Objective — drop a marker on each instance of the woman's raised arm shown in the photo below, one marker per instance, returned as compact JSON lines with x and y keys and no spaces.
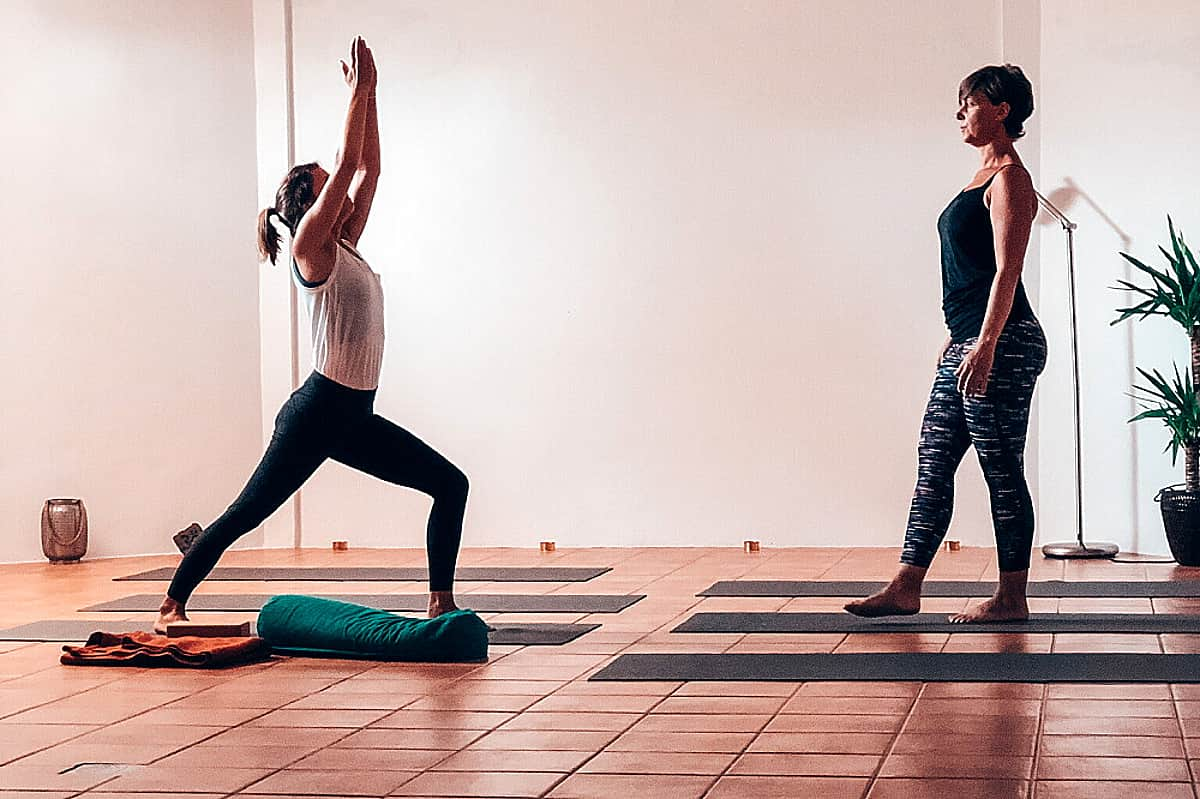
{"x":316,"y":237}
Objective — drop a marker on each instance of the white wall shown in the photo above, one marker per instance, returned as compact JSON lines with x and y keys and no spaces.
{"x":649,"y":268}
{"x":1119,"y":99}
{"x":657,"y":273}
{"x":130,"y":325}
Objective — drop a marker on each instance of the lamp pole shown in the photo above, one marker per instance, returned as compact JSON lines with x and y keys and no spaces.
{"x":1077,"y":548}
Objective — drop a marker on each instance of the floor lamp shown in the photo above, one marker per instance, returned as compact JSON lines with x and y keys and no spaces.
{"x":1076,"y":548}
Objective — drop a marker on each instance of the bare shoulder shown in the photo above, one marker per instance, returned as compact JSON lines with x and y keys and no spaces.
{"x":316,"y":263}
{"x":1013,"y":175}
{"x":1014,"y":184}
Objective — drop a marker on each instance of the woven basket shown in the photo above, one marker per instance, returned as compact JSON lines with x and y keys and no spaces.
{"x":1181,"y":518}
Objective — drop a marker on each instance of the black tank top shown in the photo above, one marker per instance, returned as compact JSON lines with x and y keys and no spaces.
{"x":969,"y":265}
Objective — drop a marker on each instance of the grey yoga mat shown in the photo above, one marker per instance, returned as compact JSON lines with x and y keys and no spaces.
{"x":953,"y":588}
{"x":537,"y":634}
{"x":409,"y":603}
{"x":906,"y":666}
{"x":75,"y":630}
{"x":937,"y":623}
{"x":496,"y":574}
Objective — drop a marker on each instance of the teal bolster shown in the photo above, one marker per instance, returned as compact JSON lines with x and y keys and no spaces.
{"x":307,"y":625}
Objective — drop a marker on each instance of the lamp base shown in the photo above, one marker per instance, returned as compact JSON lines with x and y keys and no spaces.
{"x":1075,"y":550}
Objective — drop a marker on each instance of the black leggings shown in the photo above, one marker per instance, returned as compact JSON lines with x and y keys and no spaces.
{"x":323,"y":419}
{"x":996,"y":424}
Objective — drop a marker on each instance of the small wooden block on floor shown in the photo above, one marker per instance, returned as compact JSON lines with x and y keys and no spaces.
{"x":208,"y":629}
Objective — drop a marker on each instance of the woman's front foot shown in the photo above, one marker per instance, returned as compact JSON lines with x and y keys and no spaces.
{"x":441,"y":602}
{"x":902,"y":597}
{"x":1000,"y":608}
{"x":891,"y":601}
{"x":169,"y":612}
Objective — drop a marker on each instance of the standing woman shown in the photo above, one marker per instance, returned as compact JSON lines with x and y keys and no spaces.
{"x":331,"y":415}
{"x":990,"y":362}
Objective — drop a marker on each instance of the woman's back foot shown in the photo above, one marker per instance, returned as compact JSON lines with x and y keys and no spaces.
{"x":168,"y":613}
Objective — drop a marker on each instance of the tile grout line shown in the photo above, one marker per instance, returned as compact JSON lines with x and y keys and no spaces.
{"x":1037,"y":741}
{"x":1187,"y":761}
{"x":1161,"y":645}
{"x":271,"y":772}
{"x":69,"y":739}
{"x":739,"y":755}
{"x":354,"y":731}
{"x":594,"y":755}
{"x":583,"y":675}
{"x":891,"y":747}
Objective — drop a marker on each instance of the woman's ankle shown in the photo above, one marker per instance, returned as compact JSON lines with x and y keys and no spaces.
{"x":910,"y":578}
{"x":1013,"y":586}
{"x":441,"y":602}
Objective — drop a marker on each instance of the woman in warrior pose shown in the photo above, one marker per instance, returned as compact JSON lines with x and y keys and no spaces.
{"x":331,"y":415}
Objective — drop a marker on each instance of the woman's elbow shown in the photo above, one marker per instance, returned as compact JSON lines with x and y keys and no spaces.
{"x":1008,"y":276}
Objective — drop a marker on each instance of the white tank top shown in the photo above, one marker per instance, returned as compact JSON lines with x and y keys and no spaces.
{"x":347,"y":321}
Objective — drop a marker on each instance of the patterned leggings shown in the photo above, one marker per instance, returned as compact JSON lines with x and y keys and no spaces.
{"x":996,"y":423}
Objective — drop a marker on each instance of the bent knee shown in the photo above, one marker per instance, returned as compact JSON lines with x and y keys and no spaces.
{"x":457,"y":485}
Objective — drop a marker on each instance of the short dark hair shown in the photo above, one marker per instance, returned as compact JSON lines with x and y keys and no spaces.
{"x":1002,"y":84}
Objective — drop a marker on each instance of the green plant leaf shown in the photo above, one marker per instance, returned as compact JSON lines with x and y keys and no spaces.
{"x":1157,"y":303}
{"x":1159,"y":277}
{"x":1179,"y":262}
{"x":1174,"y":292}
{"x":1157,"y":381}
{"x":1191,"y":259}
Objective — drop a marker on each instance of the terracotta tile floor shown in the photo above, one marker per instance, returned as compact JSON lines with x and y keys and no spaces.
{"x":528,"y":724}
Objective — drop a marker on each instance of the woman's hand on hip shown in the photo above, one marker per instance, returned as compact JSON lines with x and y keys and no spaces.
{"x":975,"y":370}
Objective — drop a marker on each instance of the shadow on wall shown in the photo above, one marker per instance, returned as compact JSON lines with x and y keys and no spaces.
{"x":1067,"y":196}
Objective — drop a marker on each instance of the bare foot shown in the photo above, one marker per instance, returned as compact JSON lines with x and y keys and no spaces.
{"x":441,"y":602}
{"x":168,"y":613}
{"x":891,"y":601}
{"x":996,"y":609}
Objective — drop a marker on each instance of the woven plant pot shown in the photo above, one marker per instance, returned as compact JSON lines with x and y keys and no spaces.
{"x":1181,"y":518}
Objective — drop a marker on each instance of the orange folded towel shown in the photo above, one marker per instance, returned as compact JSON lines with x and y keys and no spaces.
{"x":148,"y":649}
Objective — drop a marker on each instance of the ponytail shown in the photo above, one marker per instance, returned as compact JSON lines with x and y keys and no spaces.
{"x":292,"y":201}
{"x":268,"y":236}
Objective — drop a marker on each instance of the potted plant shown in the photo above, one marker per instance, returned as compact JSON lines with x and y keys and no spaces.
{"x":1174,"y":292}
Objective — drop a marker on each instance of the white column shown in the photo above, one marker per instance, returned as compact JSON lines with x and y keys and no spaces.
{"x":277,"y":296}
